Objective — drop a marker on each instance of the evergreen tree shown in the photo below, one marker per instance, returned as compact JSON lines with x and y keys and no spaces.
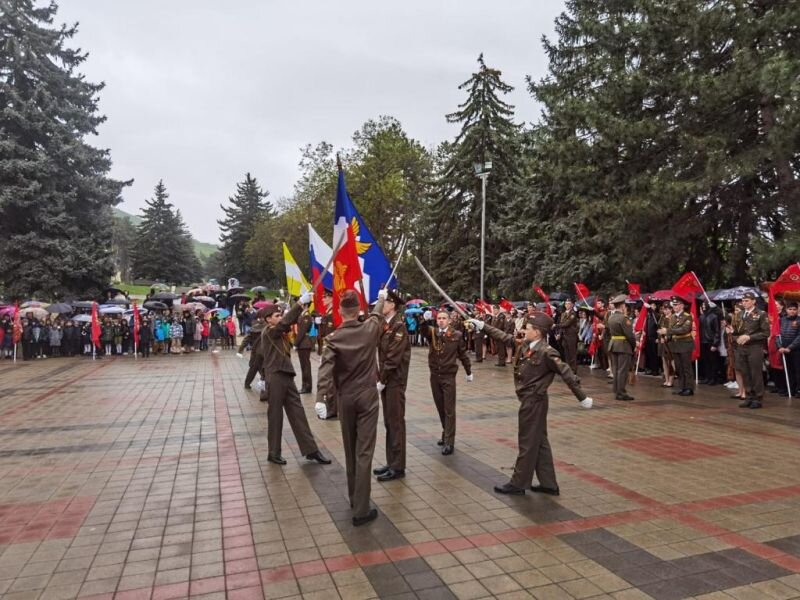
{"x":55,"y":193}
{"x":248,"y":207}
{"x":163,"y":249}
{"x":123,"y":239}
{"x":488,"y":134}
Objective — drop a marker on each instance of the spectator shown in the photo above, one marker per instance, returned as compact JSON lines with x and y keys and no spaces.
{"x":789,"y":347}
{"x":55,"y":336}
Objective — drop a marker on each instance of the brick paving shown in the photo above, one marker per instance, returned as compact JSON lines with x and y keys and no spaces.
{"x":148,"y":480}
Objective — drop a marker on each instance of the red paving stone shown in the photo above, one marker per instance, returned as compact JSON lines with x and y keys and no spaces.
{"x":270,"y":528}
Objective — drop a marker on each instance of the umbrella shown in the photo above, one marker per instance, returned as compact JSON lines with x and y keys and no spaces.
{"x":414,"y":311}
{"x":189,"y":306}
{"x":222,"y":313}
{"x":733,"y":293}
{"x":155,"y":305}
{"x":159,"y":286}
{"x":59,"y":308}
{"x":210,"y":302}
{"x":262,"y":304}
{"x":82,"y":318}
{"x":164,"y":296}
{"x":82,"y":304}
{"x":661,"y":295}
{"x":110,"y":309}
{"x":560,"y":296}
{"x":239,"y":298}
{"x":416,"y":301}
{"x":129,"y":312}
{"x":37,"y":311}
{"x":114,"y":291}
{"x":198,"y":291}
{"x":259,"y":288}
{"x":119,"y":301}
{"x":235,"y":290}
{"x":6,"y":310}
{"x":33,"y":304}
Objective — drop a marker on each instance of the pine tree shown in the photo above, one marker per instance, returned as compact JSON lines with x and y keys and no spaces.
{"x":163,"y":249}
{"x":248,"y":207}
{"x":55,"y":193}
{"x":488,"y":134}
{"x":122,"y":241}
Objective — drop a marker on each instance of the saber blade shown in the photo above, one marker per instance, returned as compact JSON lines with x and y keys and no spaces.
{"x":439,"y":289}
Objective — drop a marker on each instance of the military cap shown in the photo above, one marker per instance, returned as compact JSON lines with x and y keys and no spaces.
{"x":619,"y":299}
{"x":268,"y":310}
{"x":541,"y":321}
{"x":396,"y":297}
{"x":350,"y":299}
{"x":680,"y":299}
{"x":750,"y":295}
{"x":327,"y":292}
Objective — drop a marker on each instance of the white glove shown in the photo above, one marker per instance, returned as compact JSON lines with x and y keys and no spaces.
{"x":305,"y":298}
{"x":321,"y":410}
{"x":383,"y":294}
{"x":239,"y":355}
{"x":477,"y":324}
{"x":586,"y":403}
{"x":380,"y":386}
{"x":427,"y":315}
{"x":470,"y":377}
{"x":318,"y":320}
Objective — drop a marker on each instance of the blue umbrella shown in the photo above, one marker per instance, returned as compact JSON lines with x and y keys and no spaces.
{"x":414,"y":311}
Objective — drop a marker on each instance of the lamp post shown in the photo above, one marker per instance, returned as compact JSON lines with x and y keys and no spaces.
{"x":482,"y":172}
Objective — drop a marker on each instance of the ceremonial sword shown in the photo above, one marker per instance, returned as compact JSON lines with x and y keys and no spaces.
{"x":440,"y":290}
{"x":403,"y":243}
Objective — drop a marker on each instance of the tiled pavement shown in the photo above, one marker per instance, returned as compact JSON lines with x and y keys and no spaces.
{"x":148,"y":479}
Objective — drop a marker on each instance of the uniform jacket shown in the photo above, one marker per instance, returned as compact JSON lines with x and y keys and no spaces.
{"x":534,"y":369}
{"x":620,"y":332}
{"x":679,"y":332}
{"x":790,"y":333}
{"x":445,"y":349}
{"x":394,"y":352}
{"x":569,"y":324}
{"x":276,"y":349}
{"x":303,"y":341}
{"x":756,"y":325}
{"x":349,"y":365}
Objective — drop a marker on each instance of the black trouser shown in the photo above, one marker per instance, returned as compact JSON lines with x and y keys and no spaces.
{"x":709,"y":363}
{"x":304,"y":355}
{"x":793,"y":368}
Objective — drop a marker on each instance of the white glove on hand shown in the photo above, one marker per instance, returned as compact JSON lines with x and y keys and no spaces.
{"x":427,"y":315}
{"x":383,"y":294}
{"x":586,"y":403}
{"x":239,"y":355}
{"x":321,"y":410}
{"x":306,"y":298}
{"x":477,"y":324}
{"x":380,"y":386}
{"x":470,"y":377}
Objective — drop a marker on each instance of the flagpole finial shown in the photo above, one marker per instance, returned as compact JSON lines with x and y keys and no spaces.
{"x":339,"y":162}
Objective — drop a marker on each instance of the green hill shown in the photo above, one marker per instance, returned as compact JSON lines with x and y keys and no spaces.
{"x":202,"y":249}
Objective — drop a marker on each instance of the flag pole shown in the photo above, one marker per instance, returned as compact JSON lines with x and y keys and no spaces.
{"x":15,"y":349}
{"x":786,"y":372}
{"x":581,"y":295}
{"x":697,"y":279}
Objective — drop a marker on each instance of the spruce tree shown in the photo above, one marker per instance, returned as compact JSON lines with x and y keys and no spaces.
{"x":55,"y":193}
{"x":122,"y":241}
{"x":488,"y":133}
{"x":247,"y":208}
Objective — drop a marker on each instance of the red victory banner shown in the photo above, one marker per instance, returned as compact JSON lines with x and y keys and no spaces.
{"x":690,"y":288}
{"x":634,"y":291}
{"x":547,"y":308}
{"x":346,"y":274}
{"x":789,"y":281}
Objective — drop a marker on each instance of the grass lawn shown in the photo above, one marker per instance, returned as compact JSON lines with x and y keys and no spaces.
{"x":142,"y":290}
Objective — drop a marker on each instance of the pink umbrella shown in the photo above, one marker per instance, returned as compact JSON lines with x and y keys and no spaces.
{"x":661,"y":295}
{"x":262,"y":304}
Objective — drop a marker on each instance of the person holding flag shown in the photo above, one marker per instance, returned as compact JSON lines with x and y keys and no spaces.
{"x":568,"y":327}
{"x":750,"y":333}
{"x":680,"y":342}
{"x":621,"y":345}
{"x":17,"y":330}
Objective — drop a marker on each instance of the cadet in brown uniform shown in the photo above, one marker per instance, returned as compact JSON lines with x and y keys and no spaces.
{"x":349,"y":369}
{"x":304,"y":345}
{"x":394,"y":356}
{"x":681,"y":344}
{"x":500,"y":348}
{"x":256,"y":360}
{"x":568,"y":322}
{"x":749,"y":334}
{"x":281,"y":393}
{"x":446,"y":347}
{"x":620,"y":347}
{"x":535,"y":365}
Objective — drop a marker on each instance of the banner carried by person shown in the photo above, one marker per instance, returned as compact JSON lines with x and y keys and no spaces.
{"x":583,"y":293}
{"x":96,"y":330}
{"x":137,"y":324}
{"x":346,"y":274}
{"x":296,"y":282}
{"x":16,"y":335}
{"x":547,"y":308}
{"x":789,"y":281}
{"x":689,"y":288}
{"x":374,"y":265}
{"x":319,"y":254}
{"x":634,"y":291}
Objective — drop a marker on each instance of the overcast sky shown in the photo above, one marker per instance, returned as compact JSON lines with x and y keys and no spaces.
{"x":200,"y":92}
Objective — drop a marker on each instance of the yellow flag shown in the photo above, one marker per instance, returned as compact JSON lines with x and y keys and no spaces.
{"x":296,"y":282}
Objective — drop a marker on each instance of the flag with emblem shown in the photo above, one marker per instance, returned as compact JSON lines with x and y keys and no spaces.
{"x":374,"y":264}
{"x":346,"y":274}
{"x":690,"y":288}
{"x":634,"y":291}
{"x":583,"y":293}
{"x":506,"y":305}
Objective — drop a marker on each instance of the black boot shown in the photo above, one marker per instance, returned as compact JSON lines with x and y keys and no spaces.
{"x":509,"y":489}
{"x":318,"y":457}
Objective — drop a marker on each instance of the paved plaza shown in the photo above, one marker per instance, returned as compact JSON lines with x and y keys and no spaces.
{"x":139,"y":479}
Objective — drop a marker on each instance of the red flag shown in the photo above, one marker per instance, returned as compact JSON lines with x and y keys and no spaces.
{"x":583,"y":291}
{"x":638,"y":327}
{"x":506,"y":305}
{"x":96,"y":331}
{"x":634,"y":291}
{"x":788,"y":281}
{"x":595,"y":341}
{"x":689,"y":287}
{"x":136,"y":324}
{"x":346,"y":274}
{"x":484,"y":307}
{"x":16,"y":335}
{"x":547,"y":308}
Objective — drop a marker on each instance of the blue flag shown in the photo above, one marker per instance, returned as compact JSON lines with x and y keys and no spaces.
{"x":374,"y":264}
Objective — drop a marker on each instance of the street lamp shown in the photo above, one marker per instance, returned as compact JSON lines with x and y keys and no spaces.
{"x":482,"y":172}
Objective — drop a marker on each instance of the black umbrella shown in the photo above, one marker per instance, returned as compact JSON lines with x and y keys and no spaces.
{"x":235,"y":290}
{"x":239,"y":298}
{"x":82,"y":304}
{"x":159,"y":286}
{"x":113,"y":291}
{"x":259,"y":288}
{"x":59,"y":308}
{"x":560,"y":296}
{"x":164,"y":296}
{"x":155,"y":305}
{"x":208,"y":301}
{"x":119,"y":301}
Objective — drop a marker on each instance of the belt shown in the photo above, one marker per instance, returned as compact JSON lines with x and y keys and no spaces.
{"x":618,"y":337}
{"x":688,"y":336}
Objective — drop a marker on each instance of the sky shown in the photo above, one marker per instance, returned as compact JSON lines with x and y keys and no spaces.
{"x":198,"y":93}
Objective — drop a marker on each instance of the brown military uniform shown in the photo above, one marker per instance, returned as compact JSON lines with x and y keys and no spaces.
{"x":568,"y":324}
{"x":620,"y":346}
{"x":444,"y":350}
{"x":256,"y":360}
{"x":500,"y":347}
{"x":681,"y":343}
{"x":325,"y":329}
{"x":304,"y":345}
{"x":394,"y":355}
{"x":349,"y":369}
{"x":749,"y":357}
{"x":534,"y":370}
{"x":281,"y":393}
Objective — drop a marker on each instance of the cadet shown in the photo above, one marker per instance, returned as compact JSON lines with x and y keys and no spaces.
{"x":749,"y":334}
{"x":348,"y":368}
{"x":620,"y":347}
{"x":446,"y":346}
{"x":255,"y":365}
{"x":281,"y":393}
{"x":568,"y":323}
{"x":394,"y":354}
{"x":535,"y":365}
{"x":680,"y":343}
{"x":304,"y":344}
